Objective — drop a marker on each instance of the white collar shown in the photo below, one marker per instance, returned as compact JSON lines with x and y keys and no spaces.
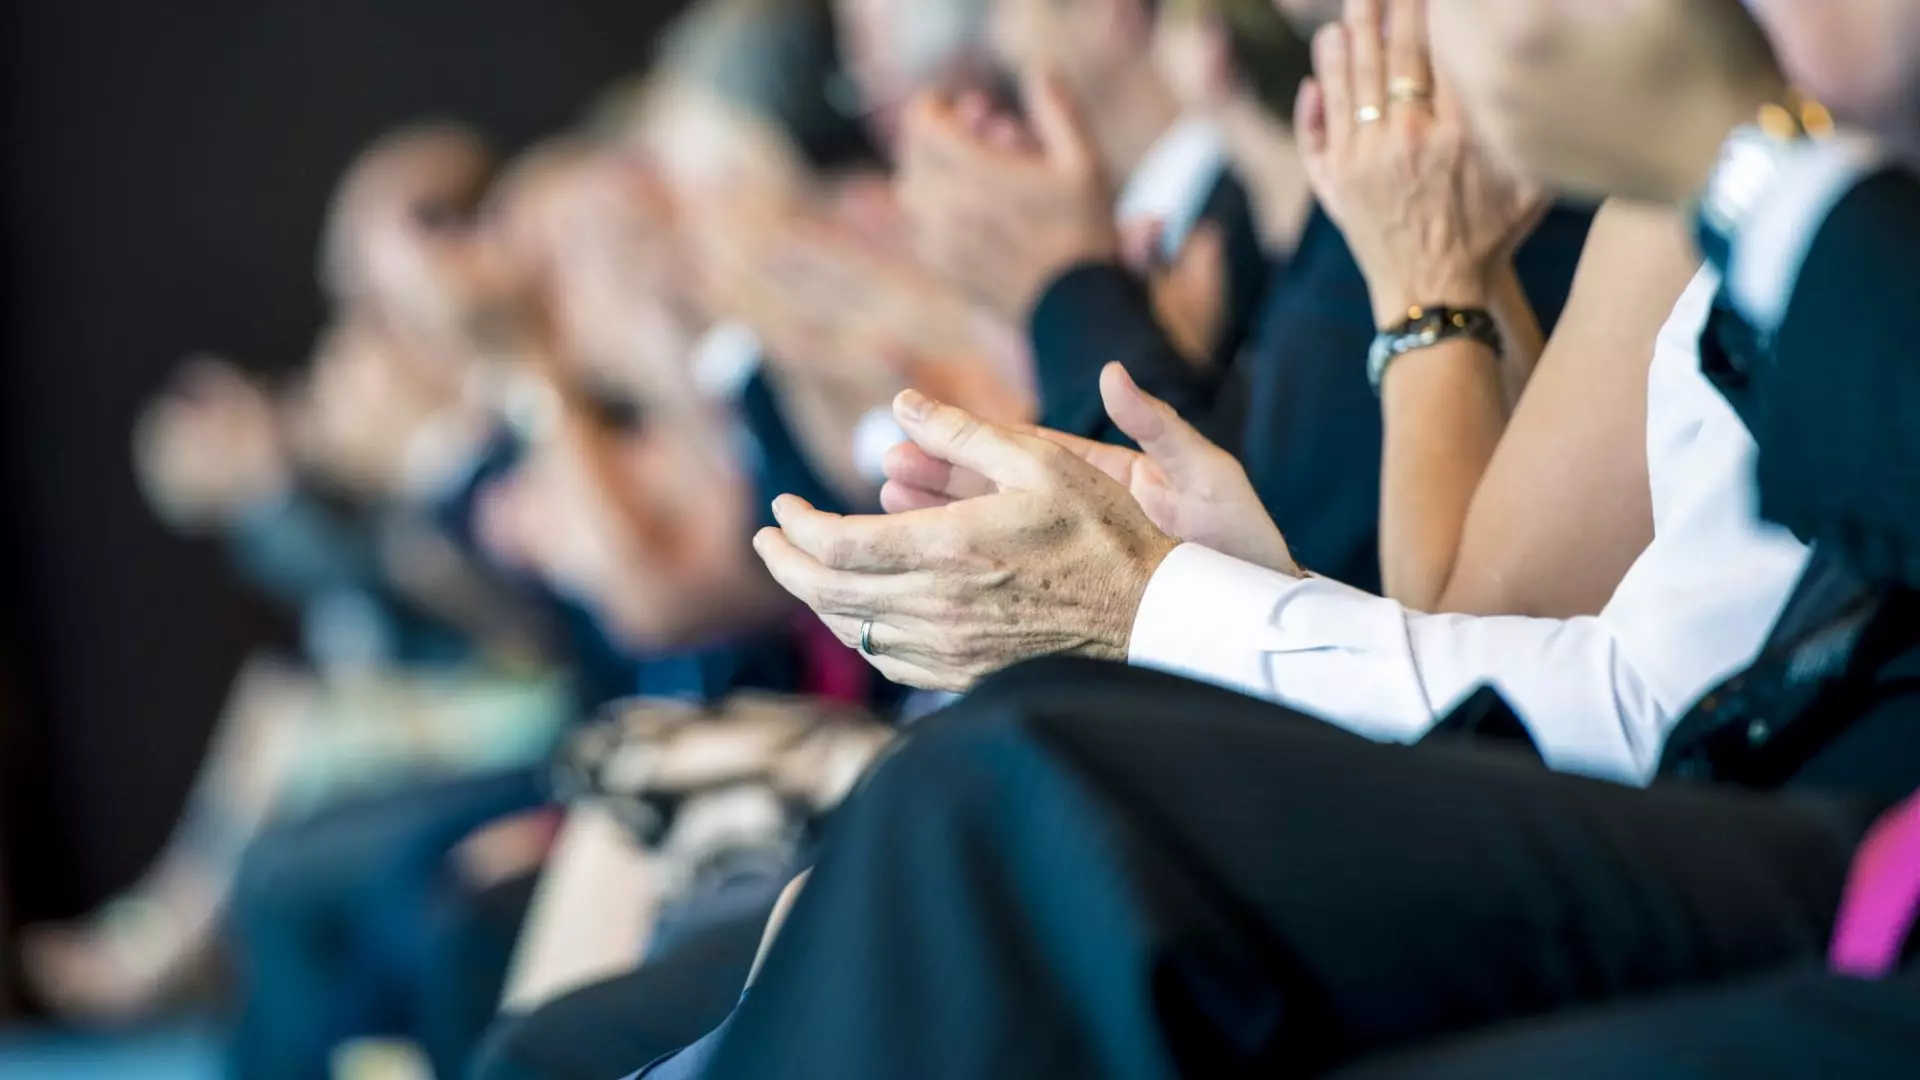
{"x":1172,"y":181}
{"x":724,"y":359}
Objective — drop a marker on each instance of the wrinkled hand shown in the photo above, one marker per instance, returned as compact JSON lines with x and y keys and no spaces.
{"x":1607,"y":97}
{"x":1054,"y":561}
{"x":903,"y":315}
{"x":1431,"y":217}
{"x":210,"y":447}
{"x":1001,"y":214}
{"x":1189,"y":488}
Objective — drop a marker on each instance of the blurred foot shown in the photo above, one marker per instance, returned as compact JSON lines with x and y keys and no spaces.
{"x":126,"y":962}
{"x":138,"y":952}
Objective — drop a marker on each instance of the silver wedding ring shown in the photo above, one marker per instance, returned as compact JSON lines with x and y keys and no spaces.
{"x":866,"y":638}
{"x":1367,"y":114}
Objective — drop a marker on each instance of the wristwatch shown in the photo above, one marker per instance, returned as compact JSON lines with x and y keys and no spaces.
{"x":1425,"y":327}
{"x":1751,"y":161}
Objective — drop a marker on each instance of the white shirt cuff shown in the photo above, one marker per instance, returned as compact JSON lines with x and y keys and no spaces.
{"x":1768,"y":253}
{"x":1334,"y":652}
{"x":875,"y":434}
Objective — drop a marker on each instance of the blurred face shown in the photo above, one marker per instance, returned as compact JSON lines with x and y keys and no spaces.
{"x":364,"y":404}
{"x":728,"y":174}
{"x":1860,"y":57}
{"x":593,"y":232}
{"x":403,"y":249}
{"x":636,"y":524}
{"x":706,"y":148}
{"x":1084,"y":41}
{"x":894,"y":49}
{"x":869,"y":33}
{"x":1193,"y":59}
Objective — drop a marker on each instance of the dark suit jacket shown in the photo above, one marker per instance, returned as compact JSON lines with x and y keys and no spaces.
{"x":1100,"y":312}
{"x":1294,"y":404}
{"x":1834,"y":700}
{"x":1835,"y":401}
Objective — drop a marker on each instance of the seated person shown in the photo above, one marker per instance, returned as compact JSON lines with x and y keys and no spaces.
{"x":1601,"y":383}
{"x":329,"y":505}
{"x":1547,"y":894}
{"x":1287,"y":403}
{"x":1073,"y":552}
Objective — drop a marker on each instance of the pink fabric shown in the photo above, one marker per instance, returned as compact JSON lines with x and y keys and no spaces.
{"x":829,"y":669}
{"x":1883,"y":896}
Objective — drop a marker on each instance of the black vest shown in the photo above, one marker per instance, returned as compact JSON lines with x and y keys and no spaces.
{"x":1832,"y":701}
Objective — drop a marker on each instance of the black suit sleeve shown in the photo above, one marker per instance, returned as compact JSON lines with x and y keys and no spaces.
{"x":1092,"y":316}
{"x":1098,"y":313}
{"x":1838,"y":398}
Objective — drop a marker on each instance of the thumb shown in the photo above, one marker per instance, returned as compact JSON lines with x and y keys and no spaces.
{"x":955,"y":436}
{"x":1057,"y":121}
{"x":1170,"y":442}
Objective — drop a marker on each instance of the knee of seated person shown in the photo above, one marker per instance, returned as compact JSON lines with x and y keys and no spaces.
{"x":962,"y":755}
{"x":1032,"y":708}
{"x":1052,"y":693}
{"x":1033,"y":685}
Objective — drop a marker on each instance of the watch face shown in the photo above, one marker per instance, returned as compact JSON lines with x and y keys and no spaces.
{"x":1428,"y":327}
{"x":1377,"y":357}
{"x":1749,"y":163}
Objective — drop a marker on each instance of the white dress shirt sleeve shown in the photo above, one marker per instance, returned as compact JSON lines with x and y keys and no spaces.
{"x":1768,"y":253}
{"x":1369,"y":665}
{"x":1600,"y":694}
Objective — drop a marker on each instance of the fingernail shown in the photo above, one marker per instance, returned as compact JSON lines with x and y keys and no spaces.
{"x":913,"y":404}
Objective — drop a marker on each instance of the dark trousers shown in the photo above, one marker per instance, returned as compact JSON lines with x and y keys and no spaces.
{"x":348,"y":924}
{"x":1801,"y":1025}
{"x":611,"y":1028}
{"x":1085,"y":870}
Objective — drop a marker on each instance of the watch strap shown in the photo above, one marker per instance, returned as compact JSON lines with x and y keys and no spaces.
{"x":1751,"y":162}
{"x":1426,"y":327}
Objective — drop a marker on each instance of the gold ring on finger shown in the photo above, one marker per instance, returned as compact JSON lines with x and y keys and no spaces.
{"x":1407,"y":91}
{"x":1367,"y":114}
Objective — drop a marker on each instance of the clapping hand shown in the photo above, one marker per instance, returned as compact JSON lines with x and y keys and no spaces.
{"x":1189,"y":488}
{"x":1001,"y":209}
{"x":1431,"y":216}
{"x":210,"y":447}
{"x":1053,"y":559}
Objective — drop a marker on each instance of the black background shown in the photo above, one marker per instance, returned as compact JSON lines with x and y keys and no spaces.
{"x":166,"y":168}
